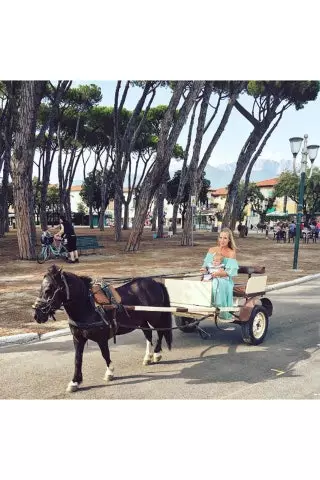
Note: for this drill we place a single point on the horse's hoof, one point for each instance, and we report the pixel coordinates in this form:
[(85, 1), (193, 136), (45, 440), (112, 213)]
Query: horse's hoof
[(146, 361), (157, 357), (108, 378), (72, 387)]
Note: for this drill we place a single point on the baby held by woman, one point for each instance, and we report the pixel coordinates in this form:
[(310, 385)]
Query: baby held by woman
[(216, 265)]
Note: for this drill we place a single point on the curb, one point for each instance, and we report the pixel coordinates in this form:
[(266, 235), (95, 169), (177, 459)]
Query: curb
[(24, 338), (19, 339)]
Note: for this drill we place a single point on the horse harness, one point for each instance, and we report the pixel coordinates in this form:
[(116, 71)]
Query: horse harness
[(105, 297)]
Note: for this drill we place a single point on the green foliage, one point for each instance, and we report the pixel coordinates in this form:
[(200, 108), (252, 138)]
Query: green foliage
[(91, 189), (253, 196), (84, 97), (52, 204), (297, 93), (172, 190), (81, 208), (289, 185), (203, 194), (142, 83)]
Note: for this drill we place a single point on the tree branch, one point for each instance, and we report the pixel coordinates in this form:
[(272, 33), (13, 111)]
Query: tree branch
[(246, 114)]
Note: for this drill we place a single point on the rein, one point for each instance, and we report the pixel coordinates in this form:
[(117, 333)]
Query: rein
[(46, 305)]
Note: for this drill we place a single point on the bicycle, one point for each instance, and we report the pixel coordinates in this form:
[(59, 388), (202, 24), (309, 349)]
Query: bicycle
[(50, 250)]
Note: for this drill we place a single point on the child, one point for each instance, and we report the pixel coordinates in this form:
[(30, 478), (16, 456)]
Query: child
[(216, 265)]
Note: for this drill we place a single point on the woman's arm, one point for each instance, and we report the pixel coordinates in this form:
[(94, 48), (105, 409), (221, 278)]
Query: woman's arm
[(220, 274)]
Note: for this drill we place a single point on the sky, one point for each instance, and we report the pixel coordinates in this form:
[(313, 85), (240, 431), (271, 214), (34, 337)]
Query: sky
[(294, 123)]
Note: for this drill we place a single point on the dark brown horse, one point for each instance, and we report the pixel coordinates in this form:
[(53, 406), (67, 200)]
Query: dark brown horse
[(86, 323)]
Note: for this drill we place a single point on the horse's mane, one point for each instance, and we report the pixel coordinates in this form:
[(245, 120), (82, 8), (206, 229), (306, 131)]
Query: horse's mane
[(86, 280), (53, 271)]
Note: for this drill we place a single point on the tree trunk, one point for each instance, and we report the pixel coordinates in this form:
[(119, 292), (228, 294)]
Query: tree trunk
[(183, 217), (63, 87), (186, 238), (125, 145), (67, 206), (5, 156), (154, 214), (101, 219), (285, 201), (184, 174), (4, 223), (22, 164), (174, 217), (246, 153), (118, 198), (45, 183), (167, 139), (126, 215), (103, 204), (90, 217), (160, 202), (238, 201)]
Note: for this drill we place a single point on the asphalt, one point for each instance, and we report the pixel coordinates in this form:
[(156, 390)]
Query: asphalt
[(285, 366), (23, 338)]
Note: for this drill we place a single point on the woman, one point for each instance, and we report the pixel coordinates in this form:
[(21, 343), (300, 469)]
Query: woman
[(222, 281), (67, 232)]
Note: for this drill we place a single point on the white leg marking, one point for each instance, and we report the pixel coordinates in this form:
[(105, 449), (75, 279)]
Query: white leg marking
[(148, 355), (72, 387), (157, 357), (109, 375)]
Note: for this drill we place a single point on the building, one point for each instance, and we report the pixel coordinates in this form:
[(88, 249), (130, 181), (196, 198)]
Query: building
[(76, 200), (219, 195)]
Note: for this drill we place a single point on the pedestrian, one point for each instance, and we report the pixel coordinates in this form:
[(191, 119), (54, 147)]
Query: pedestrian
[(67, 234)]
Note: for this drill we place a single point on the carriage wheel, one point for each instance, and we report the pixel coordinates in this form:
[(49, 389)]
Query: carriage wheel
[(182, 324), (255, 329)]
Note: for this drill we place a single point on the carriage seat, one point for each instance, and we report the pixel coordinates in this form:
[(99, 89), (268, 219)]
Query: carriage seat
[(239, 289)]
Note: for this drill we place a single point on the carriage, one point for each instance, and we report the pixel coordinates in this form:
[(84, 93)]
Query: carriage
[(99, 311), (191, 302)]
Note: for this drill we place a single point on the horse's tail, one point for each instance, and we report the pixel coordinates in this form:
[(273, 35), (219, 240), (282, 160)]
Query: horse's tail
[(166, 317)]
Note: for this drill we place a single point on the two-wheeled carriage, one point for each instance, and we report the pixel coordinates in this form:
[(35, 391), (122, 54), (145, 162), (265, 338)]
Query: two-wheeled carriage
[(191, 302)]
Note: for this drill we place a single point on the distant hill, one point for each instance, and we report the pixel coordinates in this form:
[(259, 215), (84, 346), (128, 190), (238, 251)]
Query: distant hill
[(221, 175)]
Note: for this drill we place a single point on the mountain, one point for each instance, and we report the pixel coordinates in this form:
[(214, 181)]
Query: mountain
[(221, 175)]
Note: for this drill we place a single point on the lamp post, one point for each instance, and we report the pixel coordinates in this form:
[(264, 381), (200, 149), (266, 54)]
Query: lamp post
[(307, 151)]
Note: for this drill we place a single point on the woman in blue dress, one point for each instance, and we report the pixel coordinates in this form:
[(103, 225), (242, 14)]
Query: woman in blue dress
[(222, 278)]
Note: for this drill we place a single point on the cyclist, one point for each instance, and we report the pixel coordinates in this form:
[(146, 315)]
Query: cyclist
[(67, 233)]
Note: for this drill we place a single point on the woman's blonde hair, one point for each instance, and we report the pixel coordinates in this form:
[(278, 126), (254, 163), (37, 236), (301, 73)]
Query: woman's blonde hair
[(231, 243)]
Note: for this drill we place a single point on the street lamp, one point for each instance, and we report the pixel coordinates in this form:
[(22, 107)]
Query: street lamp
[(307, 151)]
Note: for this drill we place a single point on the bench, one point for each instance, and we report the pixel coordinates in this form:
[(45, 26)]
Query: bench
[(88, 242)]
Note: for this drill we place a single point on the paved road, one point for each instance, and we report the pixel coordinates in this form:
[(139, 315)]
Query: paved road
[(285, 366)]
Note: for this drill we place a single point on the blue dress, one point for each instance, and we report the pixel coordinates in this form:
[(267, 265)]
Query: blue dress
[(222, 287)]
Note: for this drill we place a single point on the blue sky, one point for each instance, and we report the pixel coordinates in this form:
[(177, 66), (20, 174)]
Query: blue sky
[(293, 123)]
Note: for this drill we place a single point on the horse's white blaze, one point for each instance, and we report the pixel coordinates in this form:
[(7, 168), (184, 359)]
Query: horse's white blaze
[(109, 373), (72, 386), (148, 355)]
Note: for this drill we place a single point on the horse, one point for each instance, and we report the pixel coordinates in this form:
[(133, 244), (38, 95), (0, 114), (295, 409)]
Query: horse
[(87, 322)]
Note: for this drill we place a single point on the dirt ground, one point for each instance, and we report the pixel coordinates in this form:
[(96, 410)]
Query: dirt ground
[(20, 280)]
